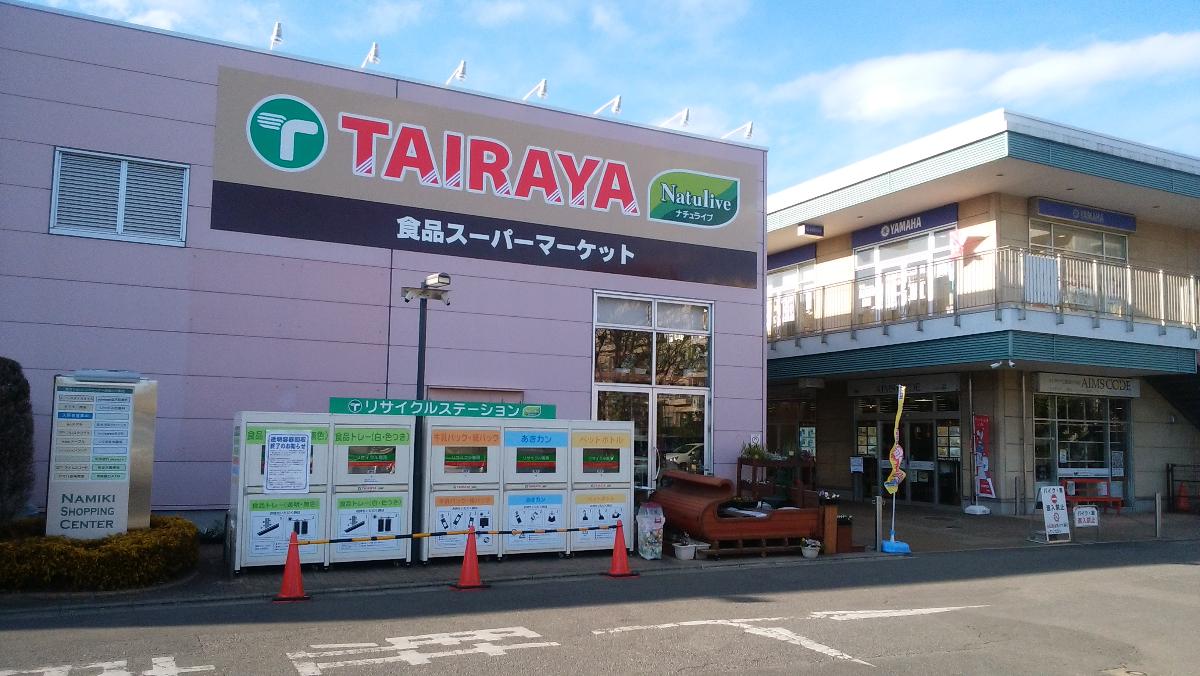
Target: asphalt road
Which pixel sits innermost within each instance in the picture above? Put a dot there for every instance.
(1099, 609)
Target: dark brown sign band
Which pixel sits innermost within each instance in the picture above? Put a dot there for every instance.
(257, 210)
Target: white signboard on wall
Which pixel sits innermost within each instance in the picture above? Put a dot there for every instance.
(1092, 385)
(89, 459)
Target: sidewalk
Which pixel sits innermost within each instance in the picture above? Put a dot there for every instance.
(938, 529)
(926, 529)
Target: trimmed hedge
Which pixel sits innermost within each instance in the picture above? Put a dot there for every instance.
(138, 558)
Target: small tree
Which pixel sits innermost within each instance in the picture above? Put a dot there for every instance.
(16, 441)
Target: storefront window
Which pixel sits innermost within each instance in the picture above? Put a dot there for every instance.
(681, 359)
(657, 376)
(623, 356)
(623, 311)
(1078, 436)
(1049, 237)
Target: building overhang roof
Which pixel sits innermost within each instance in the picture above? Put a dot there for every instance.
(1000, 152)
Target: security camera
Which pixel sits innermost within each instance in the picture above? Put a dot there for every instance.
(437, 280)
(995, 364)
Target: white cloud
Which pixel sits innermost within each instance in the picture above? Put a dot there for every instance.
(498, 12)
(157, 18)
(607, 19)
(380, 19)
(888, 88)
(1081, 70)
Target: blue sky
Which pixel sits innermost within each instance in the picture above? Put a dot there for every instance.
(826, 83)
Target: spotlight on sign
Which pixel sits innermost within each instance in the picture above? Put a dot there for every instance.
(276, 35)
(538, 90)
(746, 130)
(681, 118)
(372, 56)
(460, 73)
(614, 104)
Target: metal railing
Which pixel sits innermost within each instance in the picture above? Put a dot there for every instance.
(1007, 277)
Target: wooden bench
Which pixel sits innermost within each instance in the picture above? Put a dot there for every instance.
(690, 503)
(1087, 492)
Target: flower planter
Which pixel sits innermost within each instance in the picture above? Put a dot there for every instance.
(810, 552)
(685, 552)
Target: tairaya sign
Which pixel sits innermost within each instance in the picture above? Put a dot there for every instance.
(295, 159)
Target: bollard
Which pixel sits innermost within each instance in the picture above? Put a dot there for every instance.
(1158, 515)
(878, 523)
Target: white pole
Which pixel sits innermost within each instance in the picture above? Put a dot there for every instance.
(893, 518)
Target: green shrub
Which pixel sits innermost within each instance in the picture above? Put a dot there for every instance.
(16, 440)
(138, 558)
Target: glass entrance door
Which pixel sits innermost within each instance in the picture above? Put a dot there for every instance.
(922, 463)
(635, 406)
(679, 431)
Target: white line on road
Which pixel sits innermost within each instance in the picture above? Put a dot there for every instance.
(781, 634)
(843, 615)
(691, 623)
(405, 649)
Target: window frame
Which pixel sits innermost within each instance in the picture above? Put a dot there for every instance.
(1052, 249)
(122, 192)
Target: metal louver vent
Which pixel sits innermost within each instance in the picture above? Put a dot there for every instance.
(89, 189)
(109, 197)
(153, 201)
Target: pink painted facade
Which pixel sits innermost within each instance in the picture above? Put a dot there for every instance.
(236, 321)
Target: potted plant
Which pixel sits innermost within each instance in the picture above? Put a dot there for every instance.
(810, 548)
(685, 549)
(754, 451)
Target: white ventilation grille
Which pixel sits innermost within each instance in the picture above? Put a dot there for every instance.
(112, 197)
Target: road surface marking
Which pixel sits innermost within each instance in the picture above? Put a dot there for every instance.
(843, 615)
(159, 666)
(405, 649)
(781, 634)
(691, 623)
(787, 636)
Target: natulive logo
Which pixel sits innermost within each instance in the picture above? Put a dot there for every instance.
(286, 132)
(692, 198)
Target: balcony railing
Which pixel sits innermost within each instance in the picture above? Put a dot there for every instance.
(1007, 277)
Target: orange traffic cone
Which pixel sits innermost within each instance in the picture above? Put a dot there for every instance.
(620, 559)
(1182, 501)
(292, 588)
(469, 578)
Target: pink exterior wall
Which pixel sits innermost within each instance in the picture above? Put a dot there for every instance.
(244, 322)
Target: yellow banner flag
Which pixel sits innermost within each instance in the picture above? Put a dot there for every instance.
(896, 455)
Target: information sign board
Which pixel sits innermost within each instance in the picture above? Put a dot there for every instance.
(1054, 510)
(287, 461)
(1087, 516)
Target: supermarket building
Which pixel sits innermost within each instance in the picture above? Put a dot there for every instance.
(1034, 286)
(238, 225)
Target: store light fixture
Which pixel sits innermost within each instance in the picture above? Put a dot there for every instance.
(746, 130)
(460, 73)
(539, 90)
(276, 36)
(614, 104)
(681, 117)
(372, 56)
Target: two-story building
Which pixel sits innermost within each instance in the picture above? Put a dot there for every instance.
(1034, 287)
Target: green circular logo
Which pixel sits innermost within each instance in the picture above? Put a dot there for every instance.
(286, 133)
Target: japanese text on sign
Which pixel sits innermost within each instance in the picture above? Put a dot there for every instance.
(609, 439)
(379, 436)
(287, 462)
(461, 409)
(456, 235)
(443, 437)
